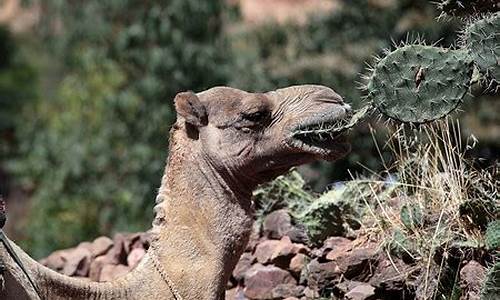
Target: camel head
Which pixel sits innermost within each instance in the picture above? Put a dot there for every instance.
(257, 136)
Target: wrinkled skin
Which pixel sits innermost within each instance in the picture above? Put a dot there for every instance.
(225, 142)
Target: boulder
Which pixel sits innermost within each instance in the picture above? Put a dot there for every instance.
(111, 272)
(297, 263)
(277, 224)
(260, 281)
(101, 245)
(135, 256)
(361, 292)
(333, 247)
(243, 265)
(96, 266)
(77, 261)
(287, 290)
(55, 261)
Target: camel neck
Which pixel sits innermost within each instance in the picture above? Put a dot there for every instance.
(202, 224)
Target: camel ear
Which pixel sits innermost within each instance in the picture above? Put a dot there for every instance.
(191, 109)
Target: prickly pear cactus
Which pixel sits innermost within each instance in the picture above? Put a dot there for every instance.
(323, 218)
(491, 286)
(492, 236)
(419, 83)
(411, 216)
(482, 40)
(467, 7)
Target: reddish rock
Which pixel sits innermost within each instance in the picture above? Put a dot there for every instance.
(111, 272)
(345, 286)
(278, 252)
(117, 254)
(235, 294)
(260, 281)
(357, 264)
(277, 224)
(291, 298)
(297, 263)
(96, 266)
(132, 240)
(361, 292)
(472, 276)
(319, 275)
(311, 293)
(135, 256)
(287, 290)
(334, 247)
(243, 265)
(55, 261)
(77, 261)
(390, 280)
(264, 250)
(101, 245)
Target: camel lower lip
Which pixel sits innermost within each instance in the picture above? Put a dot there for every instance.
(326, 146)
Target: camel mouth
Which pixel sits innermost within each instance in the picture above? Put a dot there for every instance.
(323, 137)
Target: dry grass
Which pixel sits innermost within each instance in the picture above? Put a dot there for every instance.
(418, 214)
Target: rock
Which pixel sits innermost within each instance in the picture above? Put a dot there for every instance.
(335, 247)
(131, 241)
(277, 224)
(345, 286)
(55, 261)
(297, 263)
(111, 272)
(235, 294)
(260, 281)
(357, 264)
(101, 245)
(243, 265)
(361, 292)
(264, 250)
(77, 262)
(311, 293)
(117, 254)
(96, 266)
(389, 280)
(320, 275)
(472, 277)
(135, 257)
(278, 252)
(287, 290)
(291, 298)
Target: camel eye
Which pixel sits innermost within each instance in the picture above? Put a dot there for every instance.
(256, 117)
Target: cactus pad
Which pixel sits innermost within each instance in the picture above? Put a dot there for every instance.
(468, 7)
(492, 236)
(482, 39)
(418, 83)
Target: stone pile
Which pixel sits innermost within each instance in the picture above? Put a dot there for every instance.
(277, 264)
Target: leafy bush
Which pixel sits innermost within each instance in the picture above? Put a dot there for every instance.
(94, 151)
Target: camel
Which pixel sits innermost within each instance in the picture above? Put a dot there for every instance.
(223, 144)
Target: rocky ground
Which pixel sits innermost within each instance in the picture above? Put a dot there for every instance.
(278, 264)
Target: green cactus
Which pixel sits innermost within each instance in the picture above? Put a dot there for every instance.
(419, 83)
(458, 8)
(403, 247)
(482, 41)
(323, 218)
(491, 286)
(411, 216)
(492, 236)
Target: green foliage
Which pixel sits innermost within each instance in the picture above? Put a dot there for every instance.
(94, 150)
(492, 236)
(17, 88)
(418, 83)
(482, 40)
(491, 286)
(411, 216)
